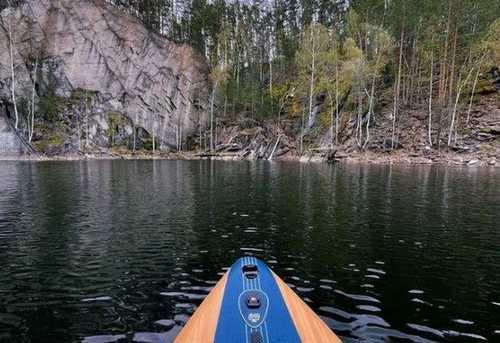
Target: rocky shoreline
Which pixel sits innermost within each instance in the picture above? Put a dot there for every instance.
(398, 157)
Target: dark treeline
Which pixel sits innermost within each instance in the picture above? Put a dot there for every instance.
(274, 59)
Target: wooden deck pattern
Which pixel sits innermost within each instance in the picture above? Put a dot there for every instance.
(202, 325)
(311, 328)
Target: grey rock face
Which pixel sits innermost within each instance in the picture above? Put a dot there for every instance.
(9, 143)
(90, 47)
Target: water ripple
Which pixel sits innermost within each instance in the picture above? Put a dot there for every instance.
(125, 251)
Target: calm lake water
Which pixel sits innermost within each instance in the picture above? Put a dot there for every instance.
(125, 251)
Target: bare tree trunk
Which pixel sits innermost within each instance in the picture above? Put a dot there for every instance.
(336, 104)
(177, 137)
(261, 77)
(472, 97)
(444, 64)
(371, 103)
(180, 138)
(134, 137)
(199, 131)
(418, 95)
(237, 81)
(429, 132)
(87, 100)
(313, 67)
(179, 131)
(397, 91)
(331, 119)
(450, 106)
(453, 117)
(135, 131)
(215, 134)
(413, 70)
(225, 103)
(359, 122)
(302, 130)
(453, 59)
(79, 132)
(370, 112)
(212, 100)
(271, 75)
(153, 137)
(275, 146)
(457, 97)
(31, 121)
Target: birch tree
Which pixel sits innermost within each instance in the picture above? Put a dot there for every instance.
(397, 88)
(332, 88)
(460, 85)
(31, 112)
(428, 57)
(431, 83)
(313, 42)
(219, 75)
(355, 69)
(35, 56)
(311, 59)
(377, 51)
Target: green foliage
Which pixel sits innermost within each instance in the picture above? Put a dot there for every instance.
(354, 26)
(49, 106)
(324, 120)
(491, 43)
(81, 96)
(313, 59)
(353, 62)
(115, 120)
(219, 74)
(49, 103)
(147, 143)
(52, 136)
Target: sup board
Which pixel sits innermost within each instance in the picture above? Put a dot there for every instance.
(251, 304)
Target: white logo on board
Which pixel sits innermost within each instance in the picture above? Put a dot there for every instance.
(254, 317)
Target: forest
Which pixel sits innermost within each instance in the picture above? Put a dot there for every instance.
(276, 59)
(369, 75)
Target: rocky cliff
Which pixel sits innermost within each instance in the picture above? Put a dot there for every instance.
(10, 146)
(100, 78)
